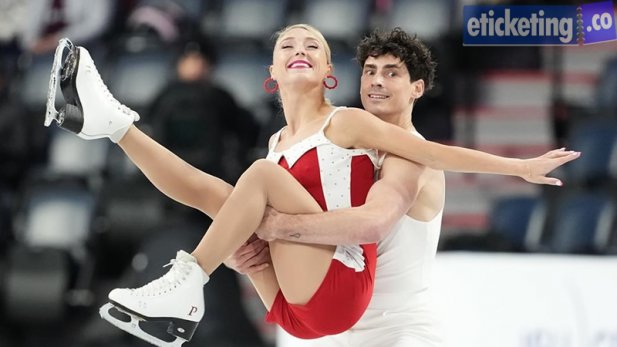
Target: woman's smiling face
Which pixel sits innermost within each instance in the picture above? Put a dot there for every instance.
(300, 56)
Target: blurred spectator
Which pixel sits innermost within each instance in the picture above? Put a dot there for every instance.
(50, 20)
(200, 121)
(12, 22)
(170, 20)
(15, 150)
(12, 18)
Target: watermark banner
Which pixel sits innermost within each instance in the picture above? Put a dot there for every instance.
(538, 25)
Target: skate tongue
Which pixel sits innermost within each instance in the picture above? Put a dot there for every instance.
(185, 257)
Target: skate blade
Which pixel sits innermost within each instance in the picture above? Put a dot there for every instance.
(51, 112)
(132, 327)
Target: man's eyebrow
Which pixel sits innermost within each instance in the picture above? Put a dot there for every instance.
(387, 66)
(392, 66)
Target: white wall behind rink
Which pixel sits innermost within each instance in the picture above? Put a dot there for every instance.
(522, 300)
(516, 300)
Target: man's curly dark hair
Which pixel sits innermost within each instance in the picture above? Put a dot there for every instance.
(409, 49)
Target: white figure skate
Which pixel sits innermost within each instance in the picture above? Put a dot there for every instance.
(176, 297)
(91, 111)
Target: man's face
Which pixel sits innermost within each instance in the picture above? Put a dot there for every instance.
(385, 87)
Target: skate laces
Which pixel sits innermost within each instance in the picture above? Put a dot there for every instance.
(172, 279)
(120, 106)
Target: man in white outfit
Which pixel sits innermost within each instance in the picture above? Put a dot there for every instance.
(403, 210)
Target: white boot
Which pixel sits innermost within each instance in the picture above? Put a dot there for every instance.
(176, 297)
(91, 111)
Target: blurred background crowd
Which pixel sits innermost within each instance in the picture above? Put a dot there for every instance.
(77, 218)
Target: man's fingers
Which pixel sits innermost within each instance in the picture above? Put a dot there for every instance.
(252, 247)
(253, 237)
(264, 254)
(255, 259)
(241, 259)
(262, 257)
(243, 250)
(250, 257)
(256, 268)
(238, 260)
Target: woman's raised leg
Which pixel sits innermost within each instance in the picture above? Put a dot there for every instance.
(177, 296)
(299, 268)
(173, 176)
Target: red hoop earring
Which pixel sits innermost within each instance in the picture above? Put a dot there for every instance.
(270, 85)
(334, 85)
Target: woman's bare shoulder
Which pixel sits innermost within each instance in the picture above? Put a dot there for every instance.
(350, 115)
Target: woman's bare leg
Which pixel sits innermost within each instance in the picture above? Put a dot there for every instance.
(267, 286)
(180, 181)
(185, 184)
(299, 268)
(192, 187)
(173, 176)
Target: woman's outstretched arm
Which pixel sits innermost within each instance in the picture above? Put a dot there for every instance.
(173, 176)
(364, 130)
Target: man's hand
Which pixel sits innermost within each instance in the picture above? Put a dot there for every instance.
(252, 257)
(271, 223)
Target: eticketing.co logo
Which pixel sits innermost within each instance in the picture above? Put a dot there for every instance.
(538, 25)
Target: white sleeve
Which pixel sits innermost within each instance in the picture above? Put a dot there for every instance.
(86, 20)
(36, 10)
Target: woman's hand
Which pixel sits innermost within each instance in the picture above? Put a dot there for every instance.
(537, 168)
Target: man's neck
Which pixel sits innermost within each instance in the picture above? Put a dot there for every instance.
(402, 120)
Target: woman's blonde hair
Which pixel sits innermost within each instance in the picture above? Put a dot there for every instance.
(311, 29)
